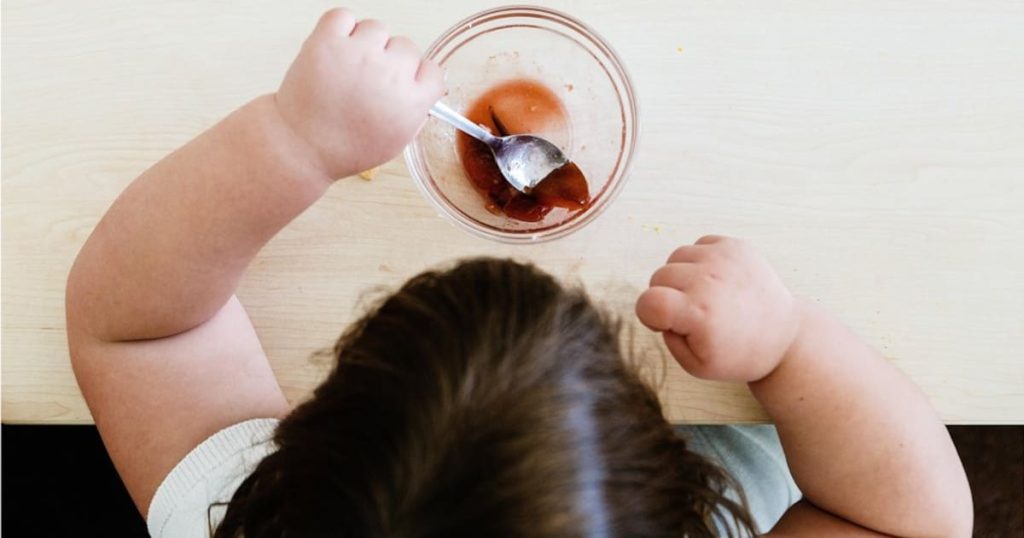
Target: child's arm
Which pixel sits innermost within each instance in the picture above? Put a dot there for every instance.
(164, 353)
(862, 441)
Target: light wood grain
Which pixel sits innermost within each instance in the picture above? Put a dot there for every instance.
(874, 152)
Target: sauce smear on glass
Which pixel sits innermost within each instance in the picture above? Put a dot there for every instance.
(519, 107)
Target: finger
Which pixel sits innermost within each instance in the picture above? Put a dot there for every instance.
(680, 349)
(687, 253)
(402, 45)
(667, 309)
(430, 76)
(711, 239)
(372, 32)
(404, 54)
(674, 275)
(337, 21)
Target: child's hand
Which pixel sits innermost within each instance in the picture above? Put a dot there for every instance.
(356, 94)
(724, 312)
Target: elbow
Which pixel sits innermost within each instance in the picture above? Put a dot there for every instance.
(959, 519)
(960, 502)
(959, 525)
(938, 515)
(937, 504)
(953, 508)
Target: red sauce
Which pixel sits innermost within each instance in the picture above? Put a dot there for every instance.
(520, 107)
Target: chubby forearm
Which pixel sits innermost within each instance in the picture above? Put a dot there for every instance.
(170, 251)
(862, 441)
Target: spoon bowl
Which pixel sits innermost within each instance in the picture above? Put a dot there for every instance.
(524, 160)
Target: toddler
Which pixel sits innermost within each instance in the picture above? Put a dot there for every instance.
(484, 399)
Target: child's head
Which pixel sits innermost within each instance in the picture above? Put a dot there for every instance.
(481, 401)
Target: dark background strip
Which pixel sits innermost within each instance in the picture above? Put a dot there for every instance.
(58, 481)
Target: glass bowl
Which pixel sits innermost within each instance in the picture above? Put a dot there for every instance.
(570, 59)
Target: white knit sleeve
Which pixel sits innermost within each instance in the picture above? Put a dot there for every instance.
(186, 505)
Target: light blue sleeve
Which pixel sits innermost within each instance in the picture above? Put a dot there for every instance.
(753, 456)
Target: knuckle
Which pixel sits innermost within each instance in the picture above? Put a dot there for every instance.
(659, 276)
(430, 66)
(338, 16)
(727, 249)
(717, 260)
(372, 25)
(678, 252)
(431, 73)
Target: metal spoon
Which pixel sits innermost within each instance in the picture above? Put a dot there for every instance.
(524, 160)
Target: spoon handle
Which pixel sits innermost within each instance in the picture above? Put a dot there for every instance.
(442, 112)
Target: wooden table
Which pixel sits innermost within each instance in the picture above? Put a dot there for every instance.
(875, 154)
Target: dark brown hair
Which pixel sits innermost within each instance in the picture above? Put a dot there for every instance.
(485, 400)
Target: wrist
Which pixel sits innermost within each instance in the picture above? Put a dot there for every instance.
(796, 331)
(291, 137)
(802, 313)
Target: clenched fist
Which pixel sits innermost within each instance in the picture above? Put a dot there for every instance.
(356, 94)
(723, 311)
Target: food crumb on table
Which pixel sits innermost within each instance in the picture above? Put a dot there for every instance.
(369, 174)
